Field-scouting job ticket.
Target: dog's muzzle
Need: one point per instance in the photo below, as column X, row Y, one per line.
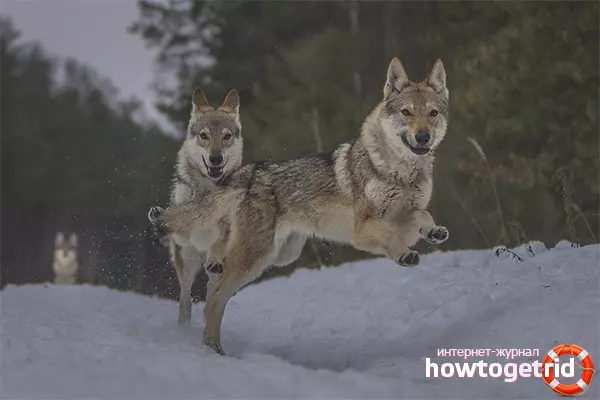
column 214, row 172
column 418, row 150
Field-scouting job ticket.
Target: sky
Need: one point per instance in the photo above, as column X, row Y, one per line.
column 95, row 33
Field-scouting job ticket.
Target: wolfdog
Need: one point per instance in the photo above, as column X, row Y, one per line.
column 65, row 264
column 213, row 135
column 211, row 150
column 371, row 192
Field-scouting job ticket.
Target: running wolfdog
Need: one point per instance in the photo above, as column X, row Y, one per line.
column 371, row 192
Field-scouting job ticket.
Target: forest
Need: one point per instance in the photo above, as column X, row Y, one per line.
column 520, row 161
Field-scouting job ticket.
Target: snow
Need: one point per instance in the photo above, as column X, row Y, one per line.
column 361, row 330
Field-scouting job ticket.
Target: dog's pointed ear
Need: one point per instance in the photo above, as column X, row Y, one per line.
column 396, row 77
column 73, row 240
column 199, row 101
column 231, row 103
column 59, row 239
column 437, row 78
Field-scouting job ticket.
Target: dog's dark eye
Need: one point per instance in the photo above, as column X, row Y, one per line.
column 433, row 113
column 203, row 136
column 405, row 111
column 227, row 136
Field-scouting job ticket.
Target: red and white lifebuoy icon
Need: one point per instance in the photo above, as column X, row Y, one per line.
column 587, row 365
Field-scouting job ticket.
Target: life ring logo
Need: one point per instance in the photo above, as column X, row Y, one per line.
column 550, row 369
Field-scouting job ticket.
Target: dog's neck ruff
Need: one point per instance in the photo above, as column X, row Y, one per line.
column 399, row 164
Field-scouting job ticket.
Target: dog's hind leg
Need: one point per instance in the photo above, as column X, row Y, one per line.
column 221, row 288
column 248, row 252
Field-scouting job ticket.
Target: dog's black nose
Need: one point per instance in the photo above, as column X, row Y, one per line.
column 422, row 138
column 215, row 159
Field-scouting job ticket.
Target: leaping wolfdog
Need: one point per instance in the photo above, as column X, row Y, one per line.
column 371, row 192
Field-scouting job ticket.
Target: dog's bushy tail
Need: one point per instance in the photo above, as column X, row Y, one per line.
column 203, row 211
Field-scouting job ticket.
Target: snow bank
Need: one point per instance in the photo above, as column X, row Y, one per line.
column 362, row 330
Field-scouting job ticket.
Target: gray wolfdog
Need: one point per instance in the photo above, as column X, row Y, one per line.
column 371, row 192
column 211, row 150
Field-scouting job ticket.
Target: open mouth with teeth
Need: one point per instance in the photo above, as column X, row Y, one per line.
column 420, row 151
column 213, row 172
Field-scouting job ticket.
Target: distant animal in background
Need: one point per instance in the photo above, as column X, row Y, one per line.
column 65, row 263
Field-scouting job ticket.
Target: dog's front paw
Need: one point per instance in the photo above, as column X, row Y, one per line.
column 214, row 267
column 436, row 235
column 159, row 230
column 154, row 215
column 409, row 259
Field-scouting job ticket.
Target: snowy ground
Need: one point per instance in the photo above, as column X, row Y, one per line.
column 362, row 330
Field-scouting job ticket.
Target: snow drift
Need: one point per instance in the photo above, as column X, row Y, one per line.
column 362, row 330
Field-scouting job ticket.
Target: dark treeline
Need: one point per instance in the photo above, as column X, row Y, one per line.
column 520, row 161
column 523, row 80
column 74, row 159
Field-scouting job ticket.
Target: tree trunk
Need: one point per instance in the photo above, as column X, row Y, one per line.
column 389, row 37
column 354, row 31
